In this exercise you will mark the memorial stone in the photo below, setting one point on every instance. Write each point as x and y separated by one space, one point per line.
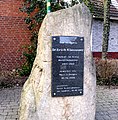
42 95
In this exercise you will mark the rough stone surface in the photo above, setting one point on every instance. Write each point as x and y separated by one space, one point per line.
36 101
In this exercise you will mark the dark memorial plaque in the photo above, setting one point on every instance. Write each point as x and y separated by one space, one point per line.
67 66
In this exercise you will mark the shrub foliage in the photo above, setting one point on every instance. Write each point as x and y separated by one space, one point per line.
107 71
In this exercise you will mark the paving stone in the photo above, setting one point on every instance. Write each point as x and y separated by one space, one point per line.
8 117
106 117
2 117
3 113
99 118
112 112
12 113
14 117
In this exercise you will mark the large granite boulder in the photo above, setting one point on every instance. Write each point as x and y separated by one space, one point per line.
36 101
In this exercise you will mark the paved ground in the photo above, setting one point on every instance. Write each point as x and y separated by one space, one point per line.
9 102
107 103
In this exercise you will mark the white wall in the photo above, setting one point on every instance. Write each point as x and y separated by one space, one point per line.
97 30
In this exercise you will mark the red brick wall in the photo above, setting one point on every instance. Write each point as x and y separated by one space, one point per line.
13 34
110 55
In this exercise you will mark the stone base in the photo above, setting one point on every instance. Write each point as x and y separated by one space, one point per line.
36 100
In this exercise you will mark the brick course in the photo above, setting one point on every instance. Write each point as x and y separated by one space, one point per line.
13 34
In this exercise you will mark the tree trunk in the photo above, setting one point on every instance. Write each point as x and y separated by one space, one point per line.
106 28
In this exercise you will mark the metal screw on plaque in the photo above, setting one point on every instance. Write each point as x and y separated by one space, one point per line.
81 39
54 93
54 38
80 92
